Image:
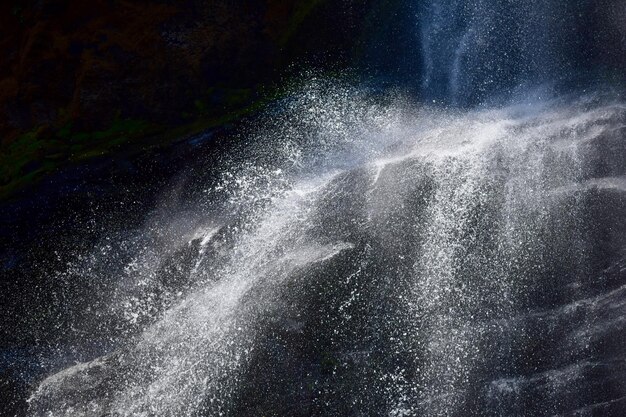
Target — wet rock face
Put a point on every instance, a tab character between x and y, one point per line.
81	80
351	257
94	62
462	263
70	69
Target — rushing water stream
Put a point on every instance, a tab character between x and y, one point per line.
394	260
367	254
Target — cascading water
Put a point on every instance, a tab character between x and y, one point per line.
367	255
393	260
471	49
483	50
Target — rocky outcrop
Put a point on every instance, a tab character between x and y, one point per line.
79	78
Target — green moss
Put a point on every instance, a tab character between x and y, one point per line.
237	97
130	127
39	152
17	155
204	121
66	131
221	100
23	160
201	106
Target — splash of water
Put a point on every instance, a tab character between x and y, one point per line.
373	256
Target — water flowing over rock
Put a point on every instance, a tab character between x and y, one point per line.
372	256
452	249
478	50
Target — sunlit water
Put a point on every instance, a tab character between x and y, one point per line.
371	256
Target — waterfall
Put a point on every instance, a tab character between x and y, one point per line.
382	258
480	50
364	253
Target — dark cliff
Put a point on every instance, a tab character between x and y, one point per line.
80	79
